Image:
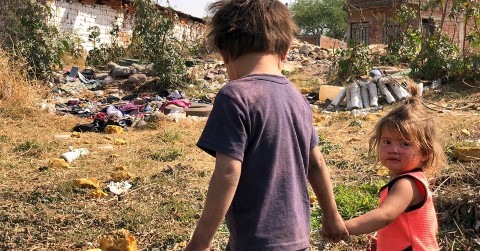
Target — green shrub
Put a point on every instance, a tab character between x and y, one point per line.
352	62
105	53
166	156
29	37
153	40
438	58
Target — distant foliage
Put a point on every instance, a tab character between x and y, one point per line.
105	52
404	42
438	58
154	41
28	36
316	17
352	62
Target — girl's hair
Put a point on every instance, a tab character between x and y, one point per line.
416	126
240	27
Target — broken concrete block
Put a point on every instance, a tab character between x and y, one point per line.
199	110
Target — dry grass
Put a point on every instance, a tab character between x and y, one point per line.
40	208
16	91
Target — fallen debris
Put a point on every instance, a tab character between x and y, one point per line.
118	240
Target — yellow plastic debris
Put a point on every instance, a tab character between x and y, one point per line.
119	240
87	183
113	129
119	141
99	193
58	163
466	132
75	135
467	153
121	175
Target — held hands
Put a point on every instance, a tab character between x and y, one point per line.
333	229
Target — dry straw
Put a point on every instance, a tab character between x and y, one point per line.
16	90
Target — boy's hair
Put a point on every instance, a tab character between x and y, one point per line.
416	126
240	27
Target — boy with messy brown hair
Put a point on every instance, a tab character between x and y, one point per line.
261	132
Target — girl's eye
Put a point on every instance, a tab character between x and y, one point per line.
386	142
405	144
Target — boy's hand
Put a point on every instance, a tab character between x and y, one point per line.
333	228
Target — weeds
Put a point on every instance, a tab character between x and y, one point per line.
167	156
170	136
27	146
357	200
326	146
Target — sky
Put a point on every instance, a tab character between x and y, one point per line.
196	8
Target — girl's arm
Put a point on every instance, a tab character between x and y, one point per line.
402	194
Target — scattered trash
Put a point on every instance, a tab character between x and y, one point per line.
118	188
118	240
74	154
112	129
87	183
62	137
105	147
75	135
58	163
119	141
121	175
466	132
467	153
98	193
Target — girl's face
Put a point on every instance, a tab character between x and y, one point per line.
398	154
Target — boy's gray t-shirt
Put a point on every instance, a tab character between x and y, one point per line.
264	122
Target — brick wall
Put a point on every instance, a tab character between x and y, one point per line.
376	14
322	41
76	16
331	43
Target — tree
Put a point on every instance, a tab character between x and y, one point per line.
317	17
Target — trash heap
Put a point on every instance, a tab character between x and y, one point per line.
114	97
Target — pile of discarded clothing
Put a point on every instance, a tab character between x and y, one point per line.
123	112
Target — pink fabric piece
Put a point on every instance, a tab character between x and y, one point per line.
178	102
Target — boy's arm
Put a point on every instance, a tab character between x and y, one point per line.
333	225
400	196
221	190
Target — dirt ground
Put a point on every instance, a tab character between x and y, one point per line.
42	209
